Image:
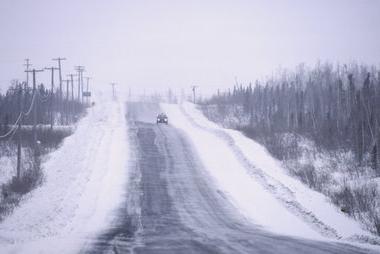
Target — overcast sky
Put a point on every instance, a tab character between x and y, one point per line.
152	44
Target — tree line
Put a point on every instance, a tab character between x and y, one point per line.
51	108
336	106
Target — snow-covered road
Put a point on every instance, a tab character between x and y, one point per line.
127	185
174	205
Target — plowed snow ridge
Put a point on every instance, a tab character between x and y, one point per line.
258	185
84	180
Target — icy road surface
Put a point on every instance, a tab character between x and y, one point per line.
173	206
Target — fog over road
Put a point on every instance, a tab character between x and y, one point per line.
173	206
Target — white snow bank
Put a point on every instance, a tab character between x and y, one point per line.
84	180
258	185
248	195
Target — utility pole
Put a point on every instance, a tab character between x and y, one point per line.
66	108
72	108
59	59
51	95
113	90
72	85
19	132
27	65
81	81
193	89
87	90
80	70
34	71
26	86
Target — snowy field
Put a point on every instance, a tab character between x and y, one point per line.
83	181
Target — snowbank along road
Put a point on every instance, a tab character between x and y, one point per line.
173	205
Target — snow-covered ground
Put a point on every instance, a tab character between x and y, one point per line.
257	184
84	180
8	161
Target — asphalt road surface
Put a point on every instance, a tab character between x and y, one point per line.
172	205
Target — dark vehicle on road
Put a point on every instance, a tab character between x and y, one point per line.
162	118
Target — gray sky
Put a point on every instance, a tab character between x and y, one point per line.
153	44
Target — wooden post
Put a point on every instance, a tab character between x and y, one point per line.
19	133
60	100
51	96
35	94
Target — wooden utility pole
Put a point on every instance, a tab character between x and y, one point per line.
60	102
193	89
72	85
113	90
72	108
19	132
82	85
87	89
51	95
34	71
27	65
26	86
80	70
59	59
66	108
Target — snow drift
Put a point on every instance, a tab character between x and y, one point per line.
84	179
258	186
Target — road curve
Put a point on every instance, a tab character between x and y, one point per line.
172	206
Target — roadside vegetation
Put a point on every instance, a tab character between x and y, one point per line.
322	123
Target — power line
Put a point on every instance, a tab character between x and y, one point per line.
14	127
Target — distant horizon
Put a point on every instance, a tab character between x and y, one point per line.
205	89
